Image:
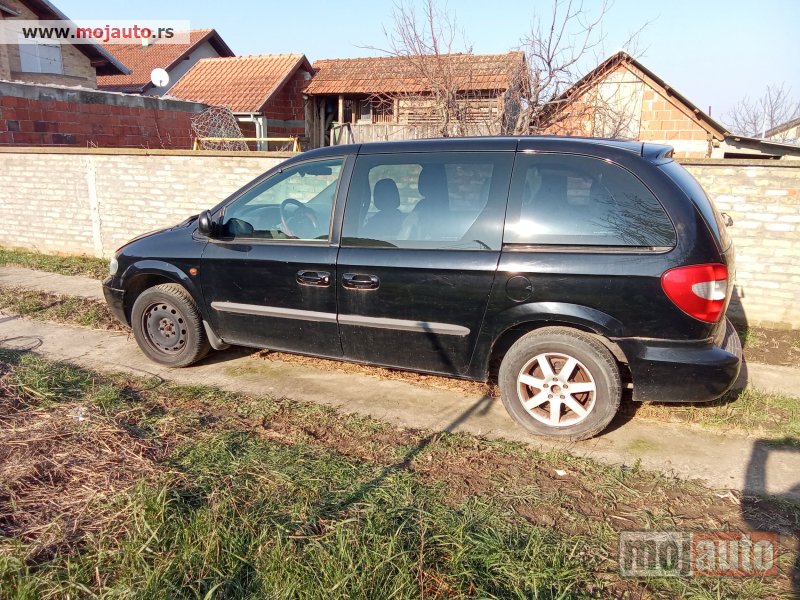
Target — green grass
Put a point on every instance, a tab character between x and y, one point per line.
65	265
749	410
751	337
253	497
44	306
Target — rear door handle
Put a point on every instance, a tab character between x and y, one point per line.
357	281
319	278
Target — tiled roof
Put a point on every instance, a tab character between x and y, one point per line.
242	83
141	60
392	74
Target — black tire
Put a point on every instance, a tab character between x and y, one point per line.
595	368
167	326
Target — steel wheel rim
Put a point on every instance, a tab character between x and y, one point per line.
556	389
164	328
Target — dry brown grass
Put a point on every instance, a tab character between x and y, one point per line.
59	466
472	388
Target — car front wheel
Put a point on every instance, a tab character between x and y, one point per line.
560	382
167	326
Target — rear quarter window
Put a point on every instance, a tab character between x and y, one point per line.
690	186
570	200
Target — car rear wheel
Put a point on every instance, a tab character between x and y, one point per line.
560	382
168	327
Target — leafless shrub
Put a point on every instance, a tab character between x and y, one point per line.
755	117
537	96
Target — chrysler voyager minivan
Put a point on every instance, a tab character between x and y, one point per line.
568	268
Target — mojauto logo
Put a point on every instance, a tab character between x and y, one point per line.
686	554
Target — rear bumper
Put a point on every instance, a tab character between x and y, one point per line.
116	301
664	371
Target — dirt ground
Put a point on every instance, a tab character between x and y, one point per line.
771	346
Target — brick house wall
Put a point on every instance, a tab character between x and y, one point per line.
627	102
78	70
664	120
34	115
285	111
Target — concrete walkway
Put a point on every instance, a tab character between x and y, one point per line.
721	461
68	285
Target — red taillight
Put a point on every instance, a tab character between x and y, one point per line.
698	290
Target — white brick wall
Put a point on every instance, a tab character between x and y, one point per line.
763	199
92	202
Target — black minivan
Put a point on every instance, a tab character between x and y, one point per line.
568	268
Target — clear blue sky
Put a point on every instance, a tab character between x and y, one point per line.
712	51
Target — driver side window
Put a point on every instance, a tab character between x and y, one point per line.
295	203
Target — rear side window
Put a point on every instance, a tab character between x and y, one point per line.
570	200
707	208
452	200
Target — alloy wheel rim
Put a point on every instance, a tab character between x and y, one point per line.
556	389
165	328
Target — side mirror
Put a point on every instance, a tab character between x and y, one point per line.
205	225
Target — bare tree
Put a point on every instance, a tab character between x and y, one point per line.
774	107
539	95
558	47
440	73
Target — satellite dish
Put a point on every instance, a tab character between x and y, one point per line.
159	77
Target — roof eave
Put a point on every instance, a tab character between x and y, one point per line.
782	127
757	143
212	37
8	10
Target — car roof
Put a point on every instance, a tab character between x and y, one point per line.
595	146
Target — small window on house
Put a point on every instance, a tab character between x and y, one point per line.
365	113
382	110
40	58
377	110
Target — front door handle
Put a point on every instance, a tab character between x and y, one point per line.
357	281
319	278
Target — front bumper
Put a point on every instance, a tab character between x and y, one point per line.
116	301
664	371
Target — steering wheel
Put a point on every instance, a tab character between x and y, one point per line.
301	211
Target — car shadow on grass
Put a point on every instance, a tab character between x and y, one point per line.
756	499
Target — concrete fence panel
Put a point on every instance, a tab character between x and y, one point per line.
763	199
93	201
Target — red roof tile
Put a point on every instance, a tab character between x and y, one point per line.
141	60
393	74
242	83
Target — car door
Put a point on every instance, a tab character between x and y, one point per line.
269	274
420	244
